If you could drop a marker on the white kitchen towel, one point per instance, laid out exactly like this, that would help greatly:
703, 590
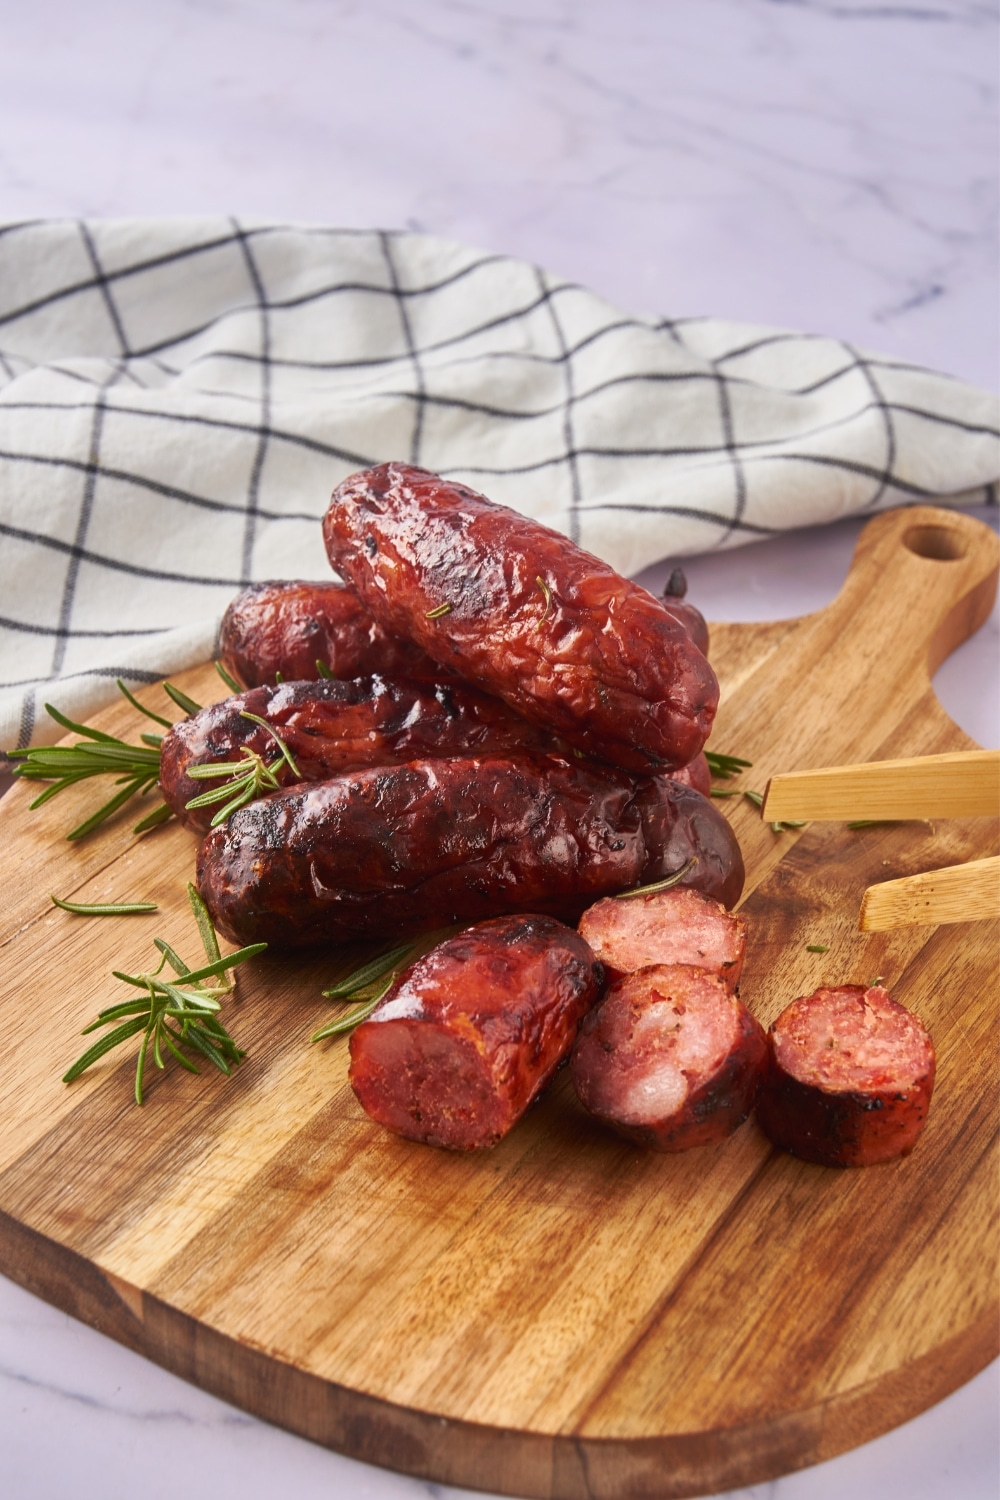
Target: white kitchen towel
179, 397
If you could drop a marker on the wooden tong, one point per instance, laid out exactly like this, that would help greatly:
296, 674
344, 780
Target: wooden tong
963, 783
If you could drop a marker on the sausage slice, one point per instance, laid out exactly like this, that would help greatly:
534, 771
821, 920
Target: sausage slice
670, 1059
849, 1077
468, 1035
679, 926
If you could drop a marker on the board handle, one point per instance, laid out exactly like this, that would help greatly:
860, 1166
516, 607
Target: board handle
935, 574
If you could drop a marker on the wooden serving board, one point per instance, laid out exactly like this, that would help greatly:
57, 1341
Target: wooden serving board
566, 1315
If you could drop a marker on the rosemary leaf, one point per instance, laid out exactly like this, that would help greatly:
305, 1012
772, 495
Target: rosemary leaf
104, 908
158, 718
230, 682
325, 674
369, 972
817, 947
659, 885
182, 700
725, 765
436, 614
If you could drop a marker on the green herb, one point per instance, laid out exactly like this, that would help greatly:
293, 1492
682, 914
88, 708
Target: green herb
135, 768
157, 718
230, 682
879, 979
174, 1017
726, 765
186, 704
245, 779
385, 968
547, 596
278, 679
324, 671
435, 614
817, 947
757, 798
659, 885
104, 908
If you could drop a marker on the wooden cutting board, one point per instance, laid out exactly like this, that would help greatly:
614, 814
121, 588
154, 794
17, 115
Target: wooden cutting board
566, 1315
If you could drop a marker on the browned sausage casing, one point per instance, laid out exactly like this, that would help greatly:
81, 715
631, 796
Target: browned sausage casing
669, 1058
399, 849
679, 926
524, 613
287, 626
331, 727
849, 1077
470, 1034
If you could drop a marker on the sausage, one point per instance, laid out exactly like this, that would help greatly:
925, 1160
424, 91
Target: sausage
681, 827
471, 1033
678, 926
331, 727
685, 614
849, 1077
522, 612
695, 774
670, 1059
398, 849
285, 627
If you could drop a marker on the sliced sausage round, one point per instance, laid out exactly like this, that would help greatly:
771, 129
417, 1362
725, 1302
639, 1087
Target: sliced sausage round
670, 1059
469, 1034
678, 926
849, 1077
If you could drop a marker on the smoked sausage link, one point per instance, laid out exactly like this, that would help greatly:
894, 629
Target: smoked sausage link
670, 1059
695, 774
332, 727
679, 926
469, 1035
398, 849
524, 613
287, 626
849, 1078
686, 614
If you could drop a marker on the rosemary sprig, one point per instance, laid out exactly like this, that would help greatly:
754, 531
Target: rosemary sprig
230, 682
438, 612
726, 765
324, 671
817, 947
104, 908
245, 779
172, 1017
383, 968
547, 596
659, 885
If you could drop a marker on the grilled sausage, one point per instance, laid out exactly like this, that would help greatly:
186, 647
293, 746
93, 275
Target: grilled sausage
684, 613
285, 627
670, 1059
470, 1034
695, 774
398, 849
678, 926
849, 1077
524, 613
331, 727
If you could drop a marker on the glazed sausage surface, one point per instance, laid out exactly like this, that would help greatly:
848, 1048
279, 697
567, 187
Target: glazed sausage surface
678, 926
398, 849
284, 627
670, 1059
849, 1077
524, 613
471, 1032
331, 727
695, 774
681, 827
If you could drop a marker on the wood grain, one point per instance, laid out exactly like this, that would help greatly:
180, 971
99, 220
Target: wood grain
567, 1315
957, 893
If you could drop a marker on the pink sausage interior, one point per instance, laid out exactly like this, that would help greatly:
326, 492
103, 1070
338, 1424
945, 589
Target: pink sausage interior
852, 1039
679, 926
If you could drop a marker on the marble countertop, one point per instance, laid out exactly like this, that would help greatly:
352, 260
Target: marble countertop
820, 164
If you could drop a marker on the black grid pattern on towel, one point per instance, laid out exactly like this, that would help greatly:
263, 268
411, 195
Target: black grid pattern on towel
178, 398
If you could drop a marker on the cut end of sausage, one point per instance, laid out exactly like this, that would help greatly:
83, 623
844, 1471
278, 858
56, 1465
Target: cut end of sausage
670, 1059
468, 1036
849, 1077
679, 926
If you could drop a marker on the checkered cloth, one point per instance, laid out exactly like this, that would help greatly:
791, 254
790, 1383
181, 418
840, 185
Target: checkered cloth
179, 397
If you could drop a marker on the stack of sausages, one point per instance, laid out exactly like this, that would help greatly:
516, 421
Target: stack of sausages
488, 725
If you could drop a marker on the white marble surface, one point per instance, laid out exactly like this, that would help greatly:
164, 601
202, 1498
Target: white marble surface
822, 164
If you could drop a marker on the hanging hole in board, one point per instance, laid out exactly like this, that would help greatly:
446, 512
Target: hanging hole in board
939, 543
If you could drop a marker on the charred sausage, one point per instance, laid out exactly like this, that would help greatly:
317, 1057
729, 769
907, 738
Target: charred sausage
398, 849
524, 613
683, 828
849, 1077
678, 926
331, 727
670, 1059
281, 629
470, 1034
695, 774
